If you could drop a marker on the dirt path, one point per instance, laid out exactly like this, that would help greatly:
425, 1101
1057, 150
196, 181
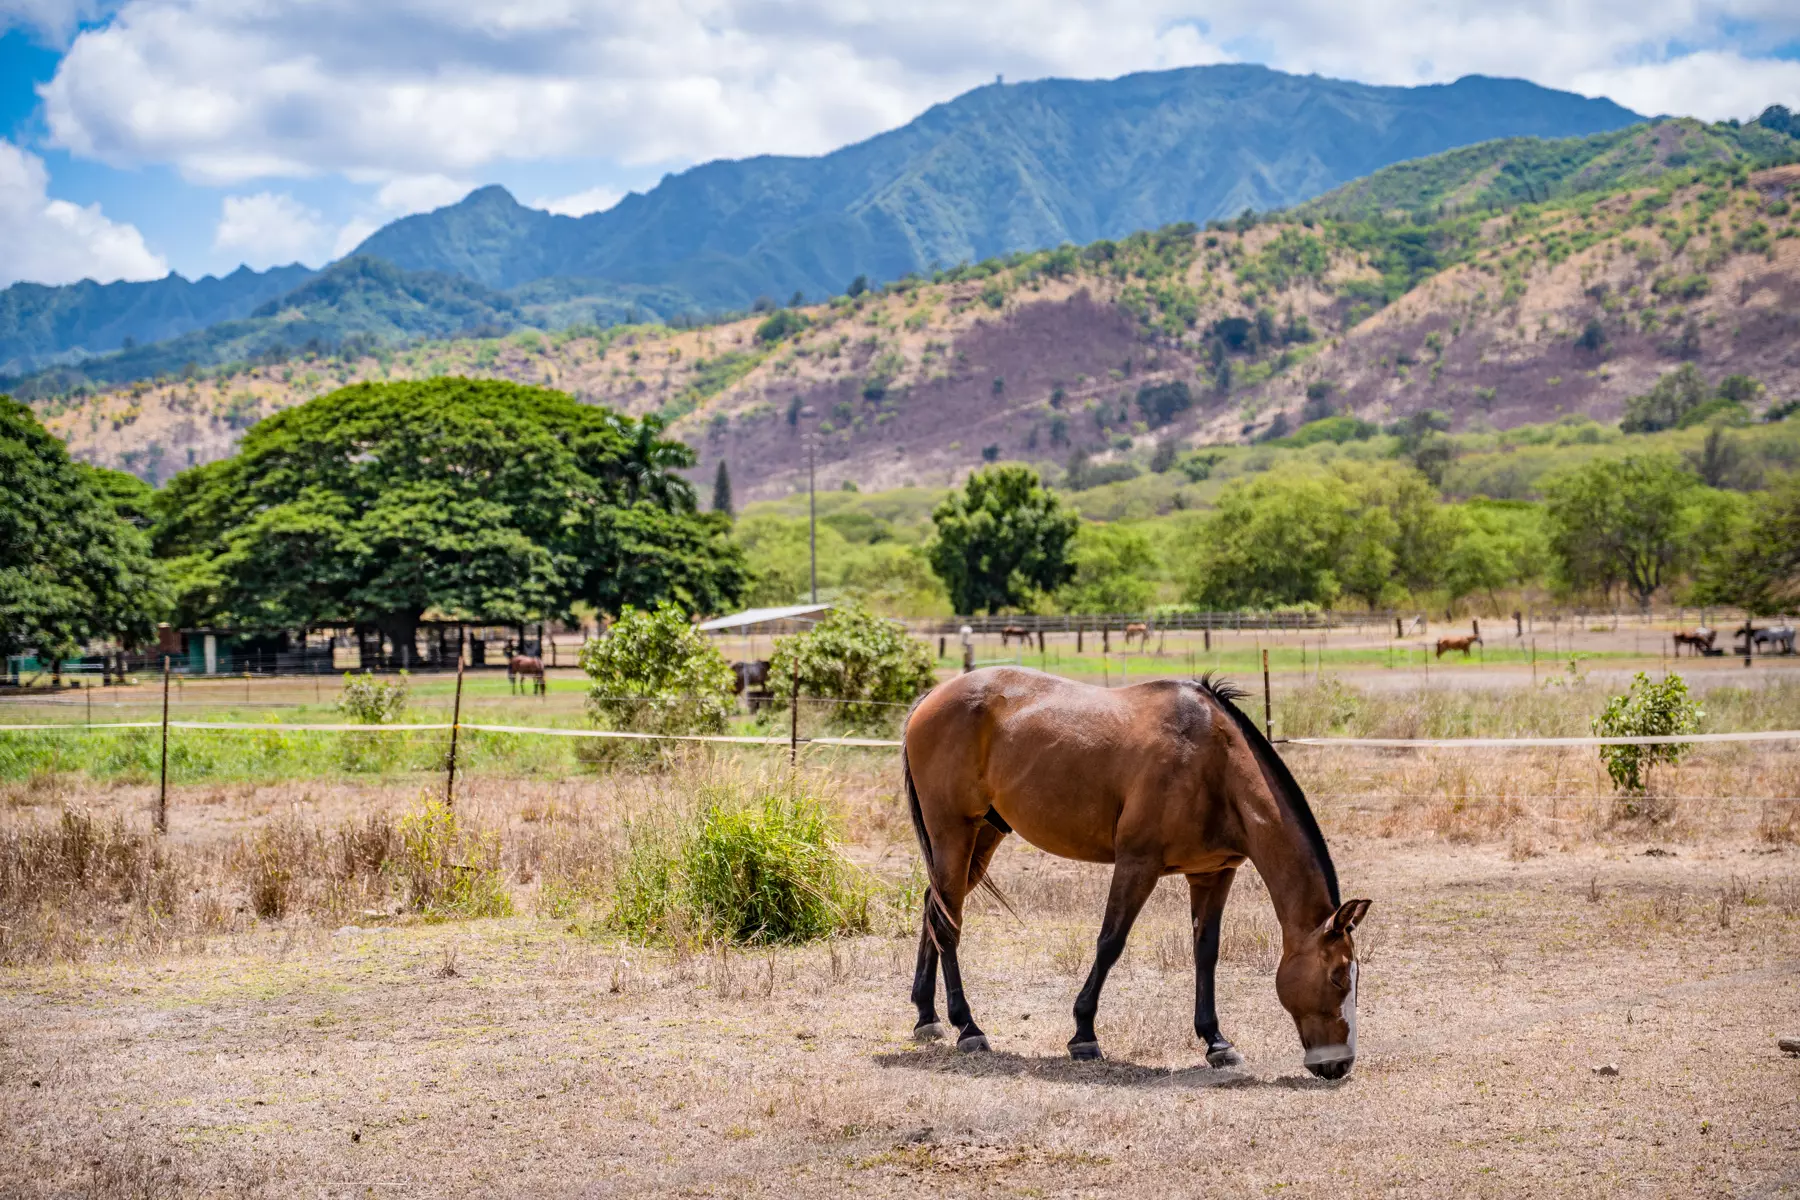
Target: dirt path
517, 1057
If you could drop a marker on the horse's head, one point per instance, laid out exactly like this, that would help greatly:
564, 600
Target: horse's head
1317, 985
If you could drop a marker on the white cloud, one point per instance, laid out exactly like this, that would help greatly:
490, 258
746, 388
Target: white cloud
53, 241
436, 89
270, 228
580, 204
353, 234
52, 21
420, 193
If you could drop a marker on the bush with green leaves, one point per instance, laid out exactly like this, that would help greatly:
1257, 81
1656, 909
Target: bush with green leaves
869, 665
1648, 709
653, 672
756, 864
371, 701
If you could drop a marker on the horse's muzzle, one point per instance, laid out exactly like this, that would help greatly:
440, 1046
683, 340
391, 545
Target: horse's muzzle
1330, 1062
1332, 1068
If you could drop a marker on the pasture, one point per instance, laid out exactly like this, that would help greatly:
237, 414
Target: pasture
231, 1011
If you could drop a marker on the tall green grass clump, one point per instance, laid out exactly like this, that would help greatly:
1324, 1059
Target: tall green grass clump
754, 865
449, 868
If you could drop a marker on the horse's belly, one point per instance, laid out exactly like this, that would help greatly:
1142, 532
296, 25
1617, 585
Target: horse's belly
1062, 807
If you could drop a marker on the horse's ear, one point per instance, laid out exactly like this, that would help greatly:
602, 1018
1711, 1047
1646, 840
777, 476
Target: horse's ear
1349, 915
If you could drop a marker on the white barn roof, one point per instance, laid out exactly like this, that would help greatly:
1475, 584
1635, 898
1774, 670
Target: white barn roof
761, 616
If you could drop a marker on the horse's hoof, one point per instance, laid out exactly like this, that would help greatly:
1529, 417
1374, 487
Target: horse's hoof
1224, 1056
1085, 1051
974, 1044
931, 1031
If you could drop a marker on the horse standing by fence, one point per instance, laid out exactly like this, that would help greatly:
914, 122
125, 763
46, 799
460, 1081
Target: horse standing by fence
1164, 778
1446, 645
1140, 631
1698, 641
519, 666
1009, 632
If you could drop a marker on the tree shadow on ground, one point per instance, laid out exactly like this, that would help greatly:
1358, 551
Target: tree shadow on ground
1105, 1073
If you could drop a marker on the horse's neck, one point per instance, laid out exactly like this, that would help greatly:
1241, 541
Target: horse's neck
1289, 866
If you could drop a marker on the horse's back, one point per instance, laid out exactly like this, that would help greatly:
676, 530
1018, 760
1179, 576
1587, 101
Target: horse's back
1059, 761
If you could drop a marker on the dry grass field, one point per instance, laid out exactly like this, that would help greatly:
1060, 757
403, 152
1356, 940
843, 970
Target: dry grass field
164, 1039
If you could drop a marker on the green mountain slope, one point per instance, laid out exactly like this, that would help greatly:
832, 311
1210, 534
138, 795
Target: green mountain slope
999, 169
358, 302
1513, 171
42, 325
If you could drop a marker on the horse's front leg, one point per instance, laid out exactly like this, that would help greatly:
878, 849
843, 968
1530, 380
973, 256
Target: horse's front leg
1207, 895
1132, 882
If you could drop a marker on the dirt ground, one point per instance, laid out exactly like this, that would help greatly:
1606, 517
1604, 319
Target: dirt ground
529, 1055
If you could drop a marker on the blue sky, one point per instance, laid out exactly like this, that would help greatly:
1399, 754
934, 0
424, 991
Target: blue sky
195, 135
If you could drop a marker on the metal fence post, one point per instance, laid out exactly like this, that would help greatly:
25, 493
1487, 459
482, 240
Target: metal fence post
162, 789
794, 719
1268, 717
455, 728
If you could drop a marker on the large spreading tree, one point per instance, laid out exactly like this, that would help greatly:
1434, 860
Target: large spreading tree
473, 499
1002, 541
1628, 520
74, 568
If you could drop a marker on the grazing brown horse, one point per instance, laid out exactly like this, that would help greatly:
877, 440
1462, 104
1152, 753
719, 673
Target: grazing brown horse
1164, 778
1009, 632
521, 665
1138, 630
1698, 641
1445, 645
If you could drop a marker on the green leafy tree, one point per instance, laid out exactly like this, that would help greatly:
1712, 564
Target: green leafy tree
1275, 539
469, 498
1624, 520
1113, 568
1648, 709
1670, 399
1002, 541
73, 569
1754, 560
1497, 544
653, 672
868, 665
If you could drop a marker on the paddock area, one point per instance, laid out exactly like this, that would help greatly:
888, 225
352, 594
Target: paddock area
1561, 995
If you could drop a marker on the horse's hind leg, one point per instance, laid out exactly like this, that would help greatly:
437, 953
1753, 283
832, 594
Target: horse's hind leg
1132, 882
1208, 894
924, 992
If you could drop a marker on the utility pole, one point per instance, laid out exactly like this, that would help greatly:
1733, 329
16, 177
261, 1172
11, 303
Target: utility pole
812, 511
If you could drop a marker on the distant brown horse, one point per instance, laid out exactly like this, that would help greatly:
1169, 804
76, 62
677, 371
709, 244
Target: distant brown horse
1698, 641
521, 665
1140, 631
1009, 632
1446, 645
1164, 778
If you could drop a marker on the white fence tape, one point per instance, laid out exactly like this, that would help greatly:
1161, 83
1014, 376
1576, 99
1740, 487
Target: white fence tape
1769, 735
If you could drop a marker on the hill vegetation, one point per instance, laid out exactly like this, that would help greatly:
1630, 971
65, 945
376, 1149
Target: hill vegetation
998, 170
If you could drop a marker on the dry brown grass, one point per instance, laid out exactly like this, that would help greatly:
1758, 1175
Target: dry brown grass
181, 1042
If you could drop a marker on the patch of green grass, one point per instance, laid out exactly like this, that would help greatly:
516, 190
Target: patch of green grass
757, 863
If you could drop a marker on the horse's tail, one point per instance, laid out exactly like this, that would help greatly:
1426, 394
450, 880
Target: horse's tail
933, 898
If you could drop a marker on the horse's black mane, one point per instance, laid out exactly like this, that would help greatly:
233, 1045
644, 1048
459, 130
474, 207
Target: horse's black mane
1287, 790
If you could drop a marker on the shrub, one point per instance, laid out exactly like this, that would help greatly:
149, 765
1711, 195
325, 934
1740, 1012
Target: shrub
449, 869
1648, 709
782, 324
754, 866
870, 665
654, 673
371, 701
